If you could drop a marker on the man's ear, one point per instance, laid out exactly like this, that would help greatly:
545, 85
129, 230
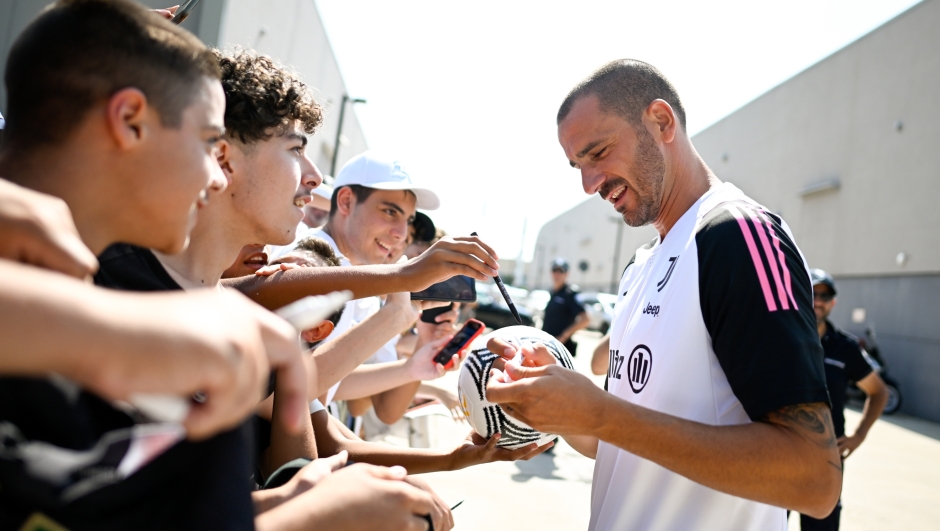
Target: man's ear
224, 153
345, 200
663, 119
317, 333
127, 114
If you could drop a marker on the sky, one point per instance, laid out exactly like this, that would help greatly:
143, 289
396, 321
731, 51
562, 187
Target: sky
465, 94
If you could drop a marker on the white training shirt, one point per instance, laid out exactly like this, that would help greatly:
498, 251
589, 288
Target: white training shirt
714, 324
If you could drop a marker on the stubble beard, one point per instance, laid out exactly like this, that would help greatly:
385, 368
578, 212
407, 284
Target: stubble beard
649, 169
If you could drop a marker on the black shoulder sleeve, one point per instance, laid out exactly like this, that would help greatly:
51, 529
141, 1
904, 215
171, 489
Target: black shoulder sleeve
757, 305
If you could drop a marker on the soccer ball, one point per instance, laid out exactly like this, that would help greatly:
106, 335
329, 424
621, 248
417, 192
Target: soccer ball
487, 418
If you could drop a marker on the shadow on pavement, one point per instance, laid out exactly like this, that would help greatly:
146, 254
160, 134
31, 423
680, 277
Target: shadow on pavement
541, 466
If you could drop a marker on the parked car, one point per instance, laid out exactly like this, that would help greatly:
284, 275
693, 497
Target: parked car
600, 309
495, 313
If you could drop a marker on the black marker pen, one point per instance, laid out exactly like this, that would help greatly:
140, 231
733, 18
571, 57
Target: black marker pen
502, 289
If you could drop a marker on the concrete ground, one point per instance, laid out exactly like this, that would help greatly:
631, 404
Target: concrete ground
891, 482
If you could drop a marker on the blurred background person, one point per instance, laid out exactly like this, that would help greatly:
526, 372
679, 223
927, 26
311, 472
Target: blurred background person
564, 315
844, 360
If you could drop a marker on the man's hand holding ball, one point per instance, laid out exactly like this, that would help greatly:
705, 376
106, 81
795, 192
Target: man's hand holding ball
540, 392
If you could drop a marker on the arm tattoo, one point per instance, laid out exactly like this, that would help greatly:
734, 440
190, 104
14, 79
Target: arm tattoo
813, 422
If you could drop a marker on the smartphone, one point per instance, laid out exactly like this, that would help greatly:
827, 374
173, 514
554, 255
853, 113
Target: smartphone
183, 11
471, 329
428, 316
455, 289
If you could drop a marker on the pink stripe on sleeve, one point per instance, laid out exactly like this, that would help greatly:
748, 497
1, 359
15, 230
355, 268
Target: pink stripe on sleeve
783, 260
771, 257
755, 256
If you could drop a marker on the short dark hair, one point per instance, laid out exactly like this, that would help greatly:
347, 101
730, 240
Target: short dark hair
625, 87
80, 52
319, 247
425, 231
362, 194
263, 97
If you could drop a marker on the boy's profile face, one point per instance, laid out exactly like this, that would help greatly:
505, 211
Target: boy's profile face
275, 184
175, 169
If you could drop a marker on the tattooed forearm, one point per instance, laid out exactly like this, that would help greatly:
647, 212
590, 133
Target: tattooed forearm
811, 421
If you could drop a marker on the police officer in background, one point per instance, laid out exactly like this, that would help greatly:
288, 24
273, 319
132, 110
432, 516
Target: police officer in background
564, 315
844, 360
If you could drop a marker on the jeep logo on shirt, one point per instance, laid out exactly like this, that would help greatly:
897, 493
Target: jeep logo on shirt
639, 367
651, 310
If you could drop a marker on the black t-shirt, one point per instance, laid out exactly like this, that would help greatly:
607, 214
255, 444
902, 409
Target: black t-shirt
191, 485
561, 311
757, 304
844, 361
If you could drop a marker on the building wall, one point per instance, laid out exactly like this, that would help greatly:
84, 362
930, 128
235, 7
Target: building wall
868, 118
291, 31
837, 120
904, 313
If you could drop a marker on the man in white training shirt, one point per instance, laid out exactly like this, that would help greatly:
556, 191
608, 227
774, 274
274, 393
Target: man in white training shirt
717, 414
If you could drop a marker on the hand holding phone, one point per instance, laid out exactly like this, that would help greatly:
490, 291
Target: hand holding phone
458, 288
430, 315
461, 340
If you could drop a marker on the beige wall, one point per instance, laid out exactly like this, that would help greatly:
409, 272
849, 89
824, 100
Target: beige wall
292, 32
836, 120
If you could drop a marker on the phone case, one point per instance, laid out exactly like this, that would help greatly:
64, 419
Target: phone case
475, 335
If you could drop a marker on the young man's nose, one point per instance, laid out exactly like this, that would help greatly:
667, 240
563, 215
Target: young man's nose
400, 231
311, 177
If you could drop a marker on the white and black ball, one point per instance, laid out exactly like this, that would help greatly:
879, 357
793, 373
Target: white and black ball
487, 418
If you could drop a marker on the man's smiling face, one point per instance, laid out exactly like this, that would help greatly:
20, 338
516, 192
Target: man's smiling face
620, 162
380, 225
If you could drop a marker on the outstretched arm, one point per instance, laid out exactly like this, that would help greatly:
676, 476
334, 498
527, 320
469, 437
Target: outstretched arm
332, 437
120, 344
448, 257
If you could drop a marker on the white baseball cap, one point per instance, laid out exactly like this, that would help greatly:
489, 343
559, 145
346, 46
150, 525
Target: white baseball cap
374, 170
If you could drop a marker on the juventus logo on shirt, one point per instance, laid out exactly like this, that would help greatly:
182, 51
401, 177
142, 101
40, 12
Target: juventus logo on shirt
672, 265
639, 367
